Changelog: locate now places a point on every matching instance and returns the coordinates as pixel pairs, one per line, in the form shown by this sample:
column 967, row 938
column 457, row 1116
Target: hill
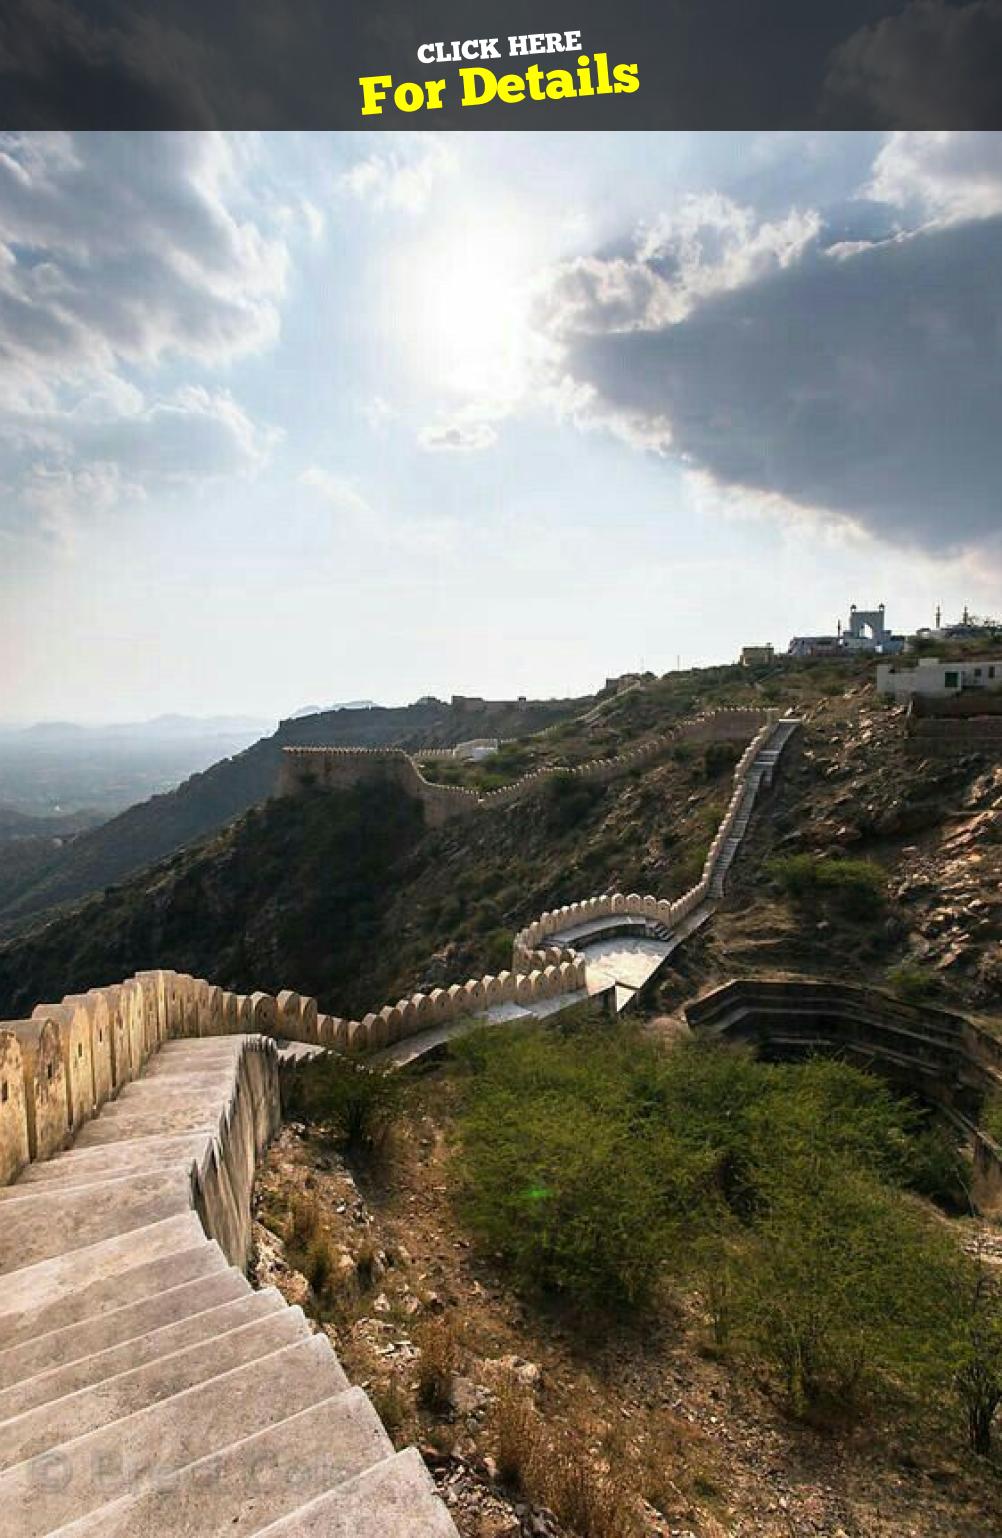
column 146, row 832
column 348, row 896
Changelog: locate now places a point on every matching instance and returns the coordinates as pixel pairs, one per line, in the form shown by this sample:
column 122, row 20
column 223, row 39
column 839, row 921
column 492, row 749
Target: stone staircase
column 146, row 1391
column 760, row 773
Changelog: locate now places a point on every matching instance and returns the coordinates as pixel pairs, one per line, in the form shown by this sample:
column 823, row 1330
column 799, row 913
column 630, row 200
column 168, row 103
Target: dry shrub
column 390, row 1404
column 519, row 1437
column 437, row 1343
column 303, row 1222
column 594, row 1498
column 673, row 1463
column 320, row 1264
column 366, row 1265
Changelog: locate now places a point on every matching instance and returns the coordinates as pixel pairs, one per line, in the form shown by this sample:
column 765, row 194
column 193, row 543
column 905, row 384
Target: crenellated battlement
column 338, row 768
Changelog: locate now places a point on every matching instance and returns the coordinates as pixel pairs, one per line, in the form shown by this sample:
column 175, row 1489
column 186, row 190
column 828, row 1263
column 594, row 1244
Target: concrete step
column 394, row 1499
column 104, row 1295
column 203, row 1047
column 129, row 1455
column 79, row 1166
column 211, row 1078
column 183, row 1118
column 89, row 1368
column 201, row 1095
column 99, row 1332
column 45, row 1222
column 114, row 1399
column 252, row 1482
column 33, row 1288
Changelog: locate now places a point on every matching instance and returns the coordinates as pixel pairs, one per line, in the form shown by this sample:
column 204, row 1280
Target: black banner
column 718, row 64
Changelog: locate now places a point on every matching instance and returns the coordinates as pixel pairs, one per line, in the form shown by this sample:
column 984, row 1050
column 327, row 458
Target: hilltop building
column 932, row 677
column 866, row 631
column 756, row 656
column 969, row 627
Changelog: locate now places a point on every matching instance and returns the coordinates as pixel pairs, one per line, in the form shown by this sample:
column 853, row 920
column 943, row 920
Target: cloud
column 129, row 249
column 94, row 459
column 708, row 245
column 373, row 530
column 401, row 178
column 121, row 255
column 940, row 176
column 856, row 380
column 932, row 63
column 458, row 436
column 339, row 493
column 56, row 496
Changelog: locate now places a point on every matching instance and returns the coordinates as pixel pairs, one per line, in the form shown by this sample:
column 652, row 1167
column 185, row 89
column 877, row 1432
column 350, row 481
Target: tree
column 978, row 1377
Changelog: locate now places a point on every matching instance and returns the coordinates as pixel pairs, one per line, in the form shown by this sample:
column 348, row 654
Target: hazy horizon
column 296, row 417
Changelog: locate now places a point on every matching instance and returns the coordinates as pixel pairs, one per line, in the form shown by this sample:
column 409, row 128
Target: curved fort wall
column 749, row 774
column 56, row 1071
column 338, row 768
column 58, row 1068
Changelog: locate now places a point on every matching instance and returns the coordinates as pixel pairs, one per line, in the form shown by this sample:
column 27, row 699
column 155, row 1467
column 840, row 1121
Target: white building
column 931, row 676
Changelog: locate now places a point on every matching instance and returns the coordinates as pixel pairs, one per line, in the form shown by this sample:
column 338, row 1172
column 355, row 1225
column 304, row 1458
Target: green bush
column 497, row 950
column 597, row 1164
column 911, row 982
column 857, row 888
column 844, row 1287
column 349, row 1101
column 719, row 757
column 567, row 801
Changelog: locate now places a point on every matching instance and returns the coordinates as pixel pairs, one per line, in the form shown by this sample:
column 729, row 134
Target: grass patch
column 855, row 888
column 911, row 982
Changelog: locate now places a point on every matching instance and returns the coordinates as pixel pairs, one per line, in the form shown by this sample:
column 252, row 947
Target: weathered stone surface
column 144, row 1387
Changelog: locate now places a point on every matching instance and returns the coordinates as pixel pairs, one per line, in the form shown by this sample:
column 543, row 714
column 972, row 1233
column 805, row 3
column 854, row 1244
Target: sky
column 296, row 418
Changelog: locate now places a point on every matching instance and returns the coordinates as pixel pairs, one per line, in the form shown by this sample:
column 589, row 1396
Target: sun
column 464, row 302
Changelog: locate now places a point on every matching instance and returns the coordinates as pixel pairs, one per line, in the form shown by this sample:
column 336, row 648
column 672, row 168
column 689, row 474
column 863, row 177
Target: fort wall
column 58, row 1068
column 338, row 768
column 530, row 948
column 949, row 736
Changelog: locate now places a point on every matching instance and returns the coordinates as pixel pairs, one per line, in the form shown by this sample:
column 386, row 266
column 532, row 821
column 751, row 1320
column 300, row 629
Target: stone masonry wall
column 57, row 1069
column 660, row 910
column 337, row 768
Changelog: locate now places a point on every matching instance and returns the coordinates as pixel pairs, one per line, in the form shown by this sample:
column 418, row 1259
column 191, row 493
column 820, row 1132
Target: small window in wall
column 48, row 1070
column 977, row 672
column 79, row 1049
column 4, row 1092
column 100, row 1034
column 950, row 681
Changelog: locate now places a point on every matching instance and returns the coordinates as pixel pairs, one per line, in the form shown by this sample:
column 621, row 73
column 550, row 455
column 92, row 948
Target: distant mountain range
column 319, row 710
column 151, row 829
column 159, row 729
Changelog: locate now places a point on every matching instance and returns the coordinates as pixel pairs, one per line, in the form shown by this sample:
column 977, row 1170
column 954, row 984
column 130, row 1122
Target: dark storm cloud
column 931, row 64
column 274, row 63
column 862, row 382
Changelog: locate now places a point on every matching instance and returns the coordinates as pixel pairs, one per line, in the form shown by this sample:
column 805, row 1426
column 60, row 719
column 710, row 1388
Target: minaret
column 939, row 613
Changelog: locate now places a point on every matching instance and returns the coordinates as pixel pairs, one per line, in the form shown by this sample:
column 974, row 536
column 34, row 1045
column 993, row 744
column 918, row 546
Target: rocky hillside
column 931, row 828
column 347, row 896
column 204, row 803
